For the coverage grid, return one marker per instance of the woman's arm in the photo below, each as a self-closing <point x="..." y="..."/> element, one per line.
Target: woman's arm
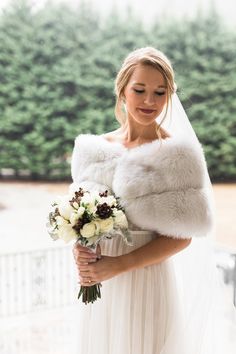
<point x="154" y="252"/>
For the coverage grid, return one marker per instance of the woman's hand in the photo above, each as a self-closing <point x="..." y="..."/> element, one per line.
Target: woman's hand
<point x="93" y="268"/>
<point x="84" y="255"/>
<point x="103" y="269"/>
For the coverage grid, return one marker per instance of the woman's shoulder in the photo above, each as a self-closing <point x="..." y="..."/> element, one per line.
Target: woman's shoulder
<point x="115" y="136"/>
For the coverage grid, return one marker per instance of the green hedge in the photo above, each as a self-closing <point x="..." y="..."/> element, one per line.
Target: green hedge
<point x="57" y="70"/>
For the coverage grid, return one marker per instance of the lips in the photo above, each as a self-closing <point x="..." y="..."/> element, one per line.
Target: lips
<point x="147" y="111"/>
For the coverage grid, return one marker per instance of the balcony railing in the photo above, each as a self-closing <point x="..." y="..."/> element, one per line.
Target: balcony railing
<point x="37" y="280"/>
<point x="47" y="279"/>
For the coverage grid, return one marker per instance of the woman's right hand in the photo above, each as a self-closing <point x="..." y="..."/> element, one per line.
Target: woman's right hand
<point x="84" y="255"/>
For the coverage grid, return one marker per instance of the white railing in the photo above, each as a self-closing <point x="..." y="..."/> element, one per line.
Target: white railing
<point x="32" y="281"/>
<point x="47" y="279"/>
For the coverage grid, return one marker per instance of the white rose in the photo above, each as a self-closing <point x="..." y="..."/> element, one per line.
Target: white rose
<point x="80" y="211"/>
<point x="120" y="218"/>
<point x="60" y="221"/>
<point x="99" y="199"/>
<point x="106" y="225"/>
<point x="74" y="218"/>
<point x="95" y="196"/>
<point x="110" y="200"/>
<point x="75" y="205"/>
<point x="92" y="208"/>
<point x="97" y="227"/>
<point x="89" y="200"/>
<point x="65" y="209"/>
<point x="67" y="233"/>
<point x="88" y="230"/>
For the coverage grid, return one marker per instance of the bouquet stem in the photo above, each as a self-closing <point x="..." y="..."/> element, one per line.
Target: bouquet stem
<point x="90" y="293"/>
<point x="93" y="292"/>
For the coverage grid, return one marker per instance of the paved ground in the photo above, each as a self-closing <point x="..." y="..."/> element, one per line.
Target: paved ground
<point x="23" y="215"/>
<point x="225" y="199"/>
<point x="45" y="332"/>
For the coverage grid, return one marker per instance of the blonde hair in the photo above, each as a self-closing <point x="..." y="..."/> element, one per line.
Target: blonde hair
<point x="144" y="56"/>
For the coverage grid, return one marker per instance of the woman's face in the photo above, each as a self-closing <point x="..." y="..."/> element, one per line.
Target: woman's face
<point x="145" y="94"/>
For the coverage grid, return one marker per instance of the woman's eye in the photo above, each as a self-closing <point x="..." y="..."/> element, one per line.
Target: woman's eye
<point x="157" y="93"/>
<point x="160" y="93"/>
<point x="138" y="91"/>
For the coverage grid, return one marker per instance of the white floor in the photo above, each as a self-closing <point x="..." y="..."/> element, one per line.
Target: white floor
<point x="46" y="332"/>
<point x="23" y="216"/>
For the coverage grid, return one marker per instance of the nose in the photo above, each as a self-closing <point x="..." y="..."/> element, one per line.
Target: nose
<point x="149" y="99"/>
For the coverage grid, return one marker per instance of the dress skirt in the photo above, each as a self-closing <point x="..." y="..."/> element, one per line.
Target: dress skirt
<point x="139" y="311"/>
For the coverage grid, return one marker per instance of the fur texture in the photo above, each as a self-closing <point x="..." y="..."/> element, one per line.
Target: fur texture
<point x="163" y="186"/>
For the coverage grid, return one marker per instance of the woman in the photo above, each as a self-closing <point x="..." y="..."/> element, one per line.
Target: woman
<point x="159" y="173"/>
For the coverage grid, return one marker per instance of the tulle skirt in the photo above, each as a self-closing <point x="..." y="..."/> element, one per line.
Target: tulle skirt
<point x="166" y="308"/>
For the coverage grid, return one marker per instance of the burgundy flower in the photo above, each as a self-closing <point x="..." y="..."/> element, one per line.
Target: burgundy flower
<point x="104" y="194"/>
<point x="81" y="221"/>
<point x="104" y="211"/>
<point x="77" y="197"/>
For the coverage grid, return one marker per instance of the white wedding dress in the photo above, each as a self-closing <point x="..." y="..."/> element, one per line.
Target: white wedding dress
<point x="175" y="307"/>
<point x="146" y="311"/>
<point x="137" y="308"/>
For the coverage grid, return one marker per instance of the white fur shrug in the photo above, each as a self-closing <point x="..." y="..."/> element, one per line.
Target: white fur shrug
<point x="163" y="186"/>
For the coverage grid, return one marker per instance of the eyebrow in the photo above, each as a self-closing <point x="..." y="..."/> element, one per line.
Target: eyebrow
<point x="142" y="84"/>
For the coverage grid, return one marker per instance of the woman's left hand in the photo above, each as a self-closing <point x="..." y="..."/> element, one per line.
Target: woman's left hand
<point x="96" y="272"/>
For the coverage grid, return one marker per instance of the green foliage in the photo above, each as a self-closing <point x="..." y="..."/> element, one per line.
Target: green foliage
<point x="57" y="71"/>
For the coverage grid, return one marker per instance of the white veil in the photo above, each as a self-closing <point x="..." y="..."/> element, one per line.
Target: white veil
<point x="209" y="314"/>
<point x="176" y="121"/>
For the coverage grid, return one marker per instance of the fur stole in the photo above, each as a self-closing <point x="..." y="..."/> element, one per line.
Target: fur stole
<point x="163" y="186"/>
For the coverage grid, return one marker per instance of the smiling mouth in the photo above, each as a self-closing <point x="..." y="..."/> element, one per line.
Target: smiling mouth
<point x="147" y="111"/>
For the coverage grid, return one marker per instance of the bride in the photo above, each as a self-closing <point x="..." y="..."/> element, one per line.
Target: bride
<point x="160" y="295"/>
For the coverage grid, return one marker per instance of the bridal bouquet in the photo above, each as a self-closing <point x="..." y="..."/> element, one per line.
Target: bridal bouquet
<point x="88" y="217"/>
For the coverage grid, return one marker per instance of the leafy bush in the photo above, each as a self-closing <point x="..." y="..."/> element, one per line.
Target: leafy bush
<point x="57" y="70"/>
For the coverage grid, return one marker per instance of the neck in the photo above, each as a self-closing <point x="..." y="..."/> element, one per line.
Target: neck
<point x="134" y="132"/>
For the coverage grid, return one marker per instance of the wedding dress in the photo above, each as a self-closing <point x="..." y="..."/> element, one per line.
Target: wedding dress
<point x="174" y="307"/>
